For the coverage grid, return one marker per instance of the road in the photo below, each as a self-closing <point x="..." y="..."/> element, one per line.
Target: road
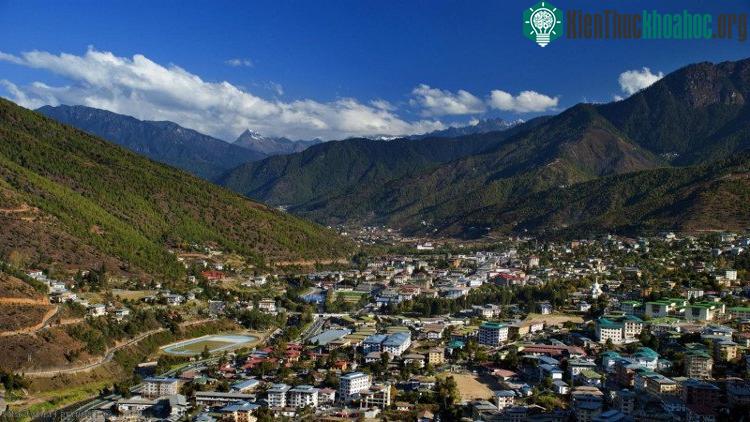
<point x="87" y="367"/>
<point x="107" y="356"/>
<point x="78" y="409"/>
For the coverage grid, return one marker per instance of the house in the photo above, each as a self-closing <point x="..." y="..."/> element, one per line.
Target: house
<point x="545" y="308"/>
<point x="560" y="387"/>
<point x="267" y="305"/>
<point x="174" y="299"/>
<point x="97" y="310"/>
<point x="121" y="313"/>
<point x="414" y="359"/>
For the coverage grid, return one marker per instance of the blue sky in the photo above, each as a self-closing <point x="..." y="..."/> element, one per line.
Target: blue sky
<point x="324" y="68"/>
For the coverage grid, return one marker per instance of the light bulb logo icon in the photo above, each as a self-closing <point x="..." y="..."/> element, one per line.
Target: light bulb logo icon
<point x="542" y="23"/>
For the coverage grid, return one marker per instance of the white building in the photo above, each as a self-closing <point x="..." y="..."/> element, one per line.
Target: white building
<point x="504" y="398"/>
<point x="277" y="395"/>
<point x="158" y="387"/>
<point x="625" y="330"/>
<point x="303" y="395"/>
<point x="97" y="310"/>
<point x="351" y="384"/>
<point x="396" y="344"/>
<point x="493" y="334"/>
<point x="376" y="396"/>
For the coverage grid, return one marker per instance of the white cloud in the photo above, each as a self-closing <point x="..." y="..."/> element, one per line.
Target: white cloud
<point x="239" y="62"/>
<point x="383" y="105"/>
<point x="632" y="81"/>
<point x="438" y="102"/>
<point x="525" y="102"/>
<point x="142" y="88"/>
<point x="277" y="88"/>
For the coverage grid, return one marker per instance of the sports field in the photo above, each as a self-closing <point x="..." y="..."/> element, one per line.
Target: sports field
<point x="215" y="343"/>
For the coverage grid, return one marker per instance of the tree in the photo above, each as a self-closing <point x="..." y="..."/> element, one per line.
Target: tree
<point x="448" y="396"/>
<point x="205" y="354"/>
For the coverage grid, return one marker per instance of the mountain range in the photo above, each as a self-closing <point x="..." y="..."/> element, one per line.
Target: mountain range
<point x="480" y="126"/>
<point x="267" y="145"/>
<point x="74" y="200"/>
<point x="688" y="123"/>
<point x="164" y="141"/>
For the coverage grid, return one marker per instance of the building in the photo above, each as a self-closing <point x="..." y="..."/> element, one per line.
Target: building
<point x="267" y="305"/>
<point x="351" y="384"/>
<point x="664" y="307"/>
<point x="378" y="395"/>
<point x="373" y="343"/>
<point x="396" y="344"/>
<point x="725" y="350"/>
<point x="658" y="384"/>
<point x="739" y="312"/>
<point x="493" y="334"/>
<point x="698" y="364"/>
<point x="245" y="386"/>
<point x="158" y="387"/>
<point x="277" y="395"/>
<point x="303" y="395"/>
<point x="700" y="393"/>
<point x="703" y="311"/>
<point x="619" y="331"/>
<point x="216" y="398"/>
<point x="97" y="310"/>
<point x="505" y="398"/>
<point x="436" y="356"/>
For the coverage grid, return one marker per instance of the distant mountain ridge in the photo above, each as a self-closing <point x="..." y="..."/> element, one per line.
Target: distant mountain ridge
<point x="481" y="126"/>
<point x="163" y="141"/>
<point x="693" y="116"/>
<point x="269" y="146"/>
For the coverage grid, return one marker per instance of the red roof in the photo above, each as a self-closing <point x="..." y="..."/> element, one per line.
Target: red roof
<point x="213" y="275"/>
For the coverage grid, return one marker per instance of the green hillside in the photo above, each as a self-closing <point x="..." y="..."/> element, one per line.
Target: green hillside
<point x="693" y="116"/>
<point x="77" y="200"/>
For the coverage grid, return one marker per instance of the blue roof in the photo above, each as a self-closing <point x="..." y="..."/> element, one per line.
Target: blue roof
<point x="375" y="338"/>
<point x="245" y="383"/>
<point x="396" y="339"/>
<point x="161" y="379"/>
<point x="233" y="407"/>
<point x="328" y="336"/>
<point x="351" y="375"/>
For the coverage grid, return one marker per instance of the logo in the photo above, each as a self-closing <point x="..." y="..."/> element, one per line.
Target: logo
<point x="542" y="23"/>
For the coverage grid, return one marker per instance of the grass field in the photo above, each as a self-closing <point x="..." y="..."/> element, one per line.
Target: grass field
<point x="552" y="319"/>
<point x="132" y="294"/>
<point x="350" y="296"/>
<point x="469" y="387"/>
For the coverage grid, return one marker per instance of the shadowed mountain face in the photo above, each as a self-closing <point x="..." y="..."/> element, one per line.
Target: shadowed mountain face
<point x="695" y="115"/>
<point x="165" y="142"/>
<point x="76" y="200"/>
